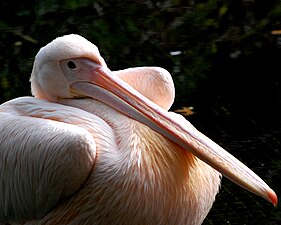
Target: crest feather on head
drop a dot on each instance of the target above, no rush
(70, 46)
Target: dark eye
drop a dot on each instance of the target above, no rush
(71, 65)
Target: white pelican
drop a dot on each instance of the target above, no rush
(91, 148)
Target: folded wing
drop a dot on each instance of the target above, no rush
(43, 157)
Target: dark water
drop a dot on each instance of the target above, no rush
(242, 112)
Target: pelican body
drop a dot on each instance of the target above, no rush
(100, 147)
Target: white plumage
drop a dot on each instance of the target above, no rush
(87, 149)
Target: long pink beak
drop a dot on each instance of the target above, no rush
(99, 83)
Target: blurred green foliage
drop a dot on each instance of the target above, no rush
(186, 37)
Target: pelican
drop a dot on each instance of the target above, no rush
(100, 147)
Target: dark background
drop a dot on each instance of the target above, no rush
(224, 57)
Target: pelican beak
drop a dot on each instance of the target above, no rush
(100, 83)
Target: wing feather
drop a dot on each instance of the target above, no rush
(42, 157)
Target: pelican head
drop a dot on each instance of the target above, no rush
(47, 79)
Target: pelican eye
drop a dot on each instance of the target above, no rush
(71, 65)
